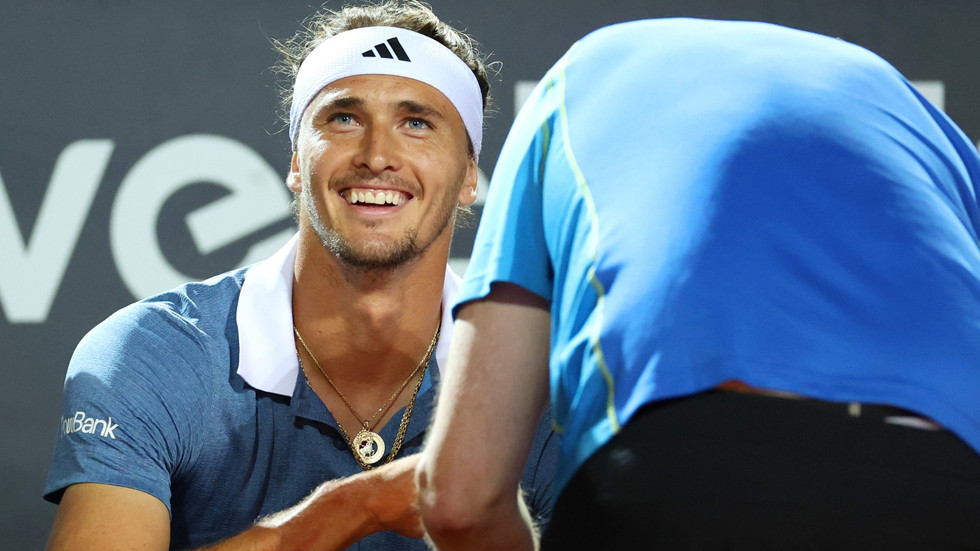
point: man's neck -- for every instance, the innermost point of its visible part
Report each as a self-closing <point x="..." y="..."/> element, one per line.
<point x="366" y="324"/>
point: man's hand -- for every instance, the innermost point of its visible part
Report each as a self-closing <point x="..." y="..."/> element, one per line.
<point x="340" y="512"/>
<point x="394" y="504"/>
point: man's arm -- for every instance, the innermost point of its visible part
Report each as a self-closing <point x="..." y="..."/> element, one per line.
<point x="494" y="391"/>
<point x="100" y="516"/>
<point x="337" y="514"/>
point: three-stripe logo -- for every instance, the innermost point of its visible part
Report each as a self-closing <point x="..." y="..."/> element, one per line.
<point x="381" y="50"/>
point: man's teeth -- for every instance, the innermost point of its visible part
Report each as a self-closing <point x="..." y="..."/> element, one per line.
<point x="375" y="198"/>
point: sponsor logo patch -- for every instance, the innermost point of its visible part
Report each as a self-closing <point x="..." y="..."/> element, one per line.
<point x="80" y="422"/>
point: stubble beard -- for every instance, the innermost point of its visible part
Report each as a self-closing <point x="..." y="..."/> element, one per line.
<point x="375" y="256"/>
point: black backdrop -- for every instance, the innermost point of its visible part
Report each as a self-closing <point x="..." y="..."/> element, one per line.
<point x="140" y="146"/>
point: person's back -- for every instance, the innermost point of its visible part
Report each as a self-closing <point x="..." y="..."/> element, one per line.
<point x="711" y="205"/>
<point x="770" y="206"/>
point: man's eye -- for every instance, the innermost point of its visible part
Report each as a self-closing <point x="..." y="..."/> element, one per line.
<point x="417" y="124"/>
<point x="341" y="118"/>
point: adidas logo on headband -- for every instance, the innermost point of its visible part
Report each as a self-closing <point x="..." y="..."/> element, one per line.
<point x="383" y="51"/>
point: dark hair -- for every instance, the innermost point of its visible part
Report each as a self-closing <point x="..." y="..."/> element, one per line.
<point x="408" y="14"/>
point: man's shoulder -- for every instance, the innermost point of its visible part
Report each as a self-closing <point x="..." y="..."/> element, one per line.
<point x="202" y="305"/>
<point x="183" y="326"/>
<point x="200" y="300"/>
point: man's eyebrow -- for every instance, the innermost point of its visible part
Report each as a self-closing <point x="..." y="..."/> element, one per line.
<point x="338" y="102"/>
<point x="421" y="109"/>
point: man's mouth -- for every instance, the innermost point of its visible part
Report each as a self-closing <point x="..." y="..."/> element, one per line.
<point x="374" y="196"/>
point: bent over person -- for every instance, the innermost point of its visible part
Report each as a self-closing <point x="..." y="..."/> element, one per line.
<point x="755" y="252"/>
<point x="269" y="407"/>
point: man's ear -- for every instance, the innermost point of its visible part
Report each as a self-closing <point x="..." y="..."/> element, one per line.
<point x="467" y="193"/>
<point x="293" y="180"/>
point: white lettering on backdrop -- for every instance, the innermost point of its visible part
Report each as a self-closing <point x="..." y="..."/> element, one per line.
<point x="34" y="268"/>
<point x="258" y="198"/>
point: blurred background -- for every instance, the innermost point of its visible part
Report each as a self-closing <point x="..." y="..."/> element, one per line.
<point x="141" y="147"/>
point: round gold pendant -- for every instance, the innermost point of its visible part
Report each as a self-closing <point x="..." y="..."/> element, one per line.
<point x="368" y="446"/>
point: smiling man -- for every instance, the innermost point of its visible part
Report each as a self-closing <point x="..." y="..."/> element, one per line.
<point x="242" y="406"/>
<point x="381" y="216"/>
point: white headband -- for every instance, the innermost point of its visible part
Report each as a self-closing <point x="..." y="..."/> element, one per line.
<point x="389" y="51"/>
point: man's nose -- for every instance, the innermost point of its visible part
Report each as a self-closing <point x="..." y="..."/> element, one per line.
<point x="380" y="149"/>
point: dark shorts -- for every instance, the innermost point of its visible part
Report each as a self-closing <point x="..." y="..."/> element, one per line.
<point x="728" y="470"/>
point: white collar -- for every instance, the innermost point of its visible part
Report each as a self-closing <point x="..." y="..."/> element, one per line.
<point x="266" y="349"/>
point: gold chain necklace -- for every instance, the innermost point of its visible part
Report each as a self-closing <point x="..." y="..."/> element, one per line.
<point x="367" y="446"/>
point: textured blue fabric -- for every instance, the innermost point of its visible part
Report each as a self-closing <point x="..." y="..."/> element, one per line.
<point x="188" y="430"/>
<point x="703" y="201"/>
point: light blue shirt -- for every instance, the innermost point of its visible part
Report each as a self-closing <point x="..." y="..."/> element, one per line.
<point x="705" y="200"/>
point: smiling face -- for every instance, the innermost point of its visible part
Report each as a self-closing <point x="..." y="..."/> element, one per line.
<point x="381" y="164"/>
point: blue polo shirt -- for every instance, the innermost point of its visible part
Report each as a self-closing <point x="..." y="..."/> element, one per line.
<point x="195" y="397"/>
<point x="703" y="201"/>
